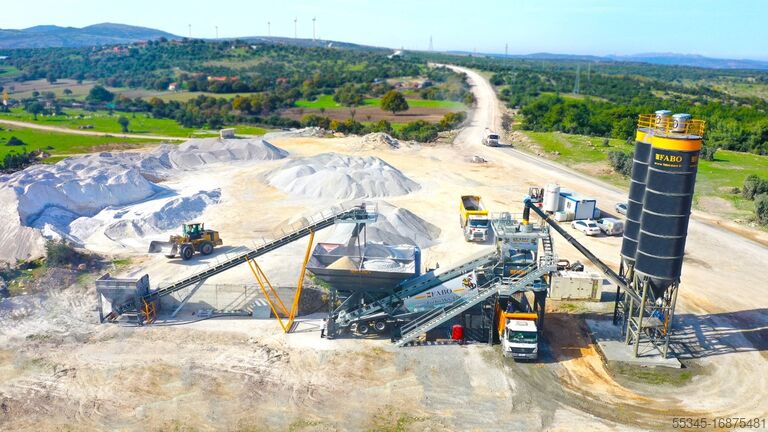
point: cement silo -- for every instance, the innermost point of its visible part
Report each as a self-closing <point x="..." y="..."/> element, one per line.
<point x="663" y="178"/>
<point x="637" y="188"/>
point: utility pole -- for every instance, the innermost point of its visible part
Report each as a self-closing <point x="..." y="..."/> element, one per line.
<point x="431" y="47"/>
<point x="506" y="50"/>
<point x="578" y="76"/>
<point x="269" y="28"/>
<point x="217" y="32"/>
<point x="296" y="28"/>
<point x="190" y="31"/>
<point x="313" y="28"/>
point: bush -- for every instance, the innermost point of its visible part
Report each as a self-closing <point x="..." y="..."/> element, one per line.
<point x="761" y="208"/>
<point x="381" y="126"/>
<point x="506" y="122"/>
<point x="754" y="186"/>
<point x="314" y="120"/>
<point x="620" y="162"/>
<point x="452" y="119"/>
<point x="418" y="130"/>
<point x="13" y="141"/>
<point x="59" y="253"/>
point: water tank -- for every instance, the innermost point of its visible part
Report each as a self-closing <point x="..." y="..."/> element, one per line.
<point x="679" y="122"/>
<point x="666" y="207"/>
<point x="636" y="194"/>
<point x="551" y="198"/>
<point x="662" y="117"/>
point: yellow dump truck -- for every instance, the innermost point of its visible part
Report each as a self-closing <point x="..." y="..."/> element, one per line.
<point x="473" y="218"/>
<point x="519" y="335"/>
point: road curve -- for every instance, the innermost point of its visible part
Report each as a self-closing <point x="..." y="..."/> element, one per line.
<point x="28" y="125"/>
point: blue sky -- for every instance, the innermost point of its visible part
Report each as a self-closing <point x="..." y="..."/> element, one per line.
<point x="733" y="29"/>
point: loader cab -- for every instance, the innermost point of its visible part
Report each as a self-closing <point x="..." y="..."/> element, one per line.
<point x="193" y="230"/>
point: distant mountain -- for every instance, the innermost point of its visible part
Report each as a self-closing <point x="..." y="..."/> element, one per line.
<point x="306" y="43"/>
<point x="47" y="36"/>
<point x="651" y="58"/>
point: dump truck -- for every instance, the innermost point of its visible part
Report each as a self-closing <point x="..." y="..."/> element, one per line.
<point x="519" y="335"/>
<point x="194" y="238"/>
<point x="490" y="138"/>
<point x="473" y="218"/>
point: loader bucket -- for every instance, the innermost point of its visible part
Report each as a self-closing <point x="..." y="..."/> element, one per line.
<point x="166" y="248"/>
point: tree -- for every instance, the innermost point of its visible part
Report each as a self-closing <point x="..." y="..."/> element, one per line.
<point x="349" y="95"/>
<point x="51" y="77"/>
<point x="34" y="108"/>
<point x="394" y="102"/>
<point x="620" y="162"/>
<point x="506" y="122"/>
<point x="67" y="92"/>
<point x="708" y="153"/>
<point x="124" y="122"/>
<point x="100" y="94"/>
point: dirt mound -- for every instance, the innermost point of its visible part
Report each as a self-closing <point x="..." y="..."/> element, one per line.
<point x="381" y="138"/>
<point x="331" y="175"/>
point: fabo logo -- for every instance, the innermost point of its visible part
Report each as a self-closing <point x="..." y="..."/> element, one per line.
<point x="668" y="158"/>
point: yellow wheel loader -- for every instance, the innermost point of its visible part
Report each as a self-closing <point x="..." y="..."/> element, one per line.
<point x="194" y="238"/>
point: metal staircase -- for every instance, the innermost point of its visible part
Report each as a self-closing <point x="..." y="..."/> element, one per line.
<point x="438" y="316"/>
<point x="415" y="286"/>
<point x="286" y="235"/>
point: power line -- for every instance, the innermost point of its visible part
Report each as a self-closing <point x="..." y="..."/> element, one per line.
<point x="578" y="76"/>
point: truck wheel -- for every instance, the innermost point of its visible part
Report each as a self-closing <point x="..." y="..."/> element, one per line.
<point x="187" y="251"/>
<point x="363" y="328"/>
<point x="380" y="326"/>
<point x="206" y="248"/>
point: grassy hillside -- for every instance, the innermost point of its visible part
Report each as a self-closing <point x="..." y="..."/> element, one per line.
<point x="59" y="144"/>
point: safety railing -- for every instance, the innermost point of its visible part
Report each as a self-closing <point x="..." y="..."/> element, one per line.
<point x="662" y="125"/>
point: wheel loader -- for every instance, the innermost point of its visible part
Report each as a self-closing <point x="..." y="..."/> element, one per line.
<point x="194" y="238"/>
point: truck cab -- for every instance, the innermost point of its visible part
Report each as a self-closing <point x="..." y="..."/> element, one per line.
<point x="519" y="335"/>
<point x="473" y="218"/>
<point x="477" y="228"/>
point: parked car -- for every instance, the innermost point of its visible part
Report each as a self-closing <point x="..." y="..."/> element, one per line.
<point x="621" y="208"/>
<point x="588" y="227"/>
<point x="611" y="226"/>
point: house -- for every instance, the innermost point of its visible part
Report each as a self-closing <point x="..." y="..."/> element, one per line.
<point x="174" y="86"/>
<point x="227" y="133"/>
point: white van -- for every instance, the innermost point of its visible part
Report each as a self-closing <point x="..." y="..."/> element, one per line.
<point x="611" y="226"/>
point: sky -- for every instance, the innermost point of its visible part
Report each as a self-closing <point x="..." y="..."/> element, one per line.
<point x="725" y="29"/>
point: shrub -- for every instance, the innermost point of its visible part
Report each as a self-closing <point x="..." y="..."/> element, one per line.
<point x="620" y="162"/>
<point x="452" y="119"/>
<point x="59" y="253"/>
<point x="314" y="120"/>
<point x="753" y="186"/>
<point x="381" y="126"/>
<point x="761" y="208"/>
<point x="418" y="130"/>
<point x="13" y="141"/>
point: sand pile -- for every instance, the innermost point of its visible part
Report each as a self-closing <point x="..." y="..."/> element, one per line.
<point x="394" y="226"/>
<point x="66" y="199"/>
<point x="331" y="175"/>
<point x="308" y="132"/>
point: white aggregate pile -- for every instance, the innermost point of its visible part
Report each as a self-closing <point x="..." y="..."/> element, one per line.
<point x="67" y="199"/>
<point x="394" y="226"/>
<point x="336" y="176"/>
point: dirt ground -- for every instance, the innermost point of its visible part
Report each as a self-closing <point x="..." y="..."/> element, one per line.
<point x="59" y="370"/>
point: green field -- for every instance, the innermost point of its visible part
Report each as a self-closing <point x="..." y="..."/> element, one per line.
<point x="327" y="102"/>
<point x="715" y="178"/>
<point x="8" y="71"/>
<point x="102" y="121"/>
<point x="59" y="144"/>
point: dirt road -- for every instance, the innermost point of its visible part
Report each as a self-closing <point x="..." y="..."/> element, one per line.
<point x="722" y="309"/>
<point x="86" y="132"/>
